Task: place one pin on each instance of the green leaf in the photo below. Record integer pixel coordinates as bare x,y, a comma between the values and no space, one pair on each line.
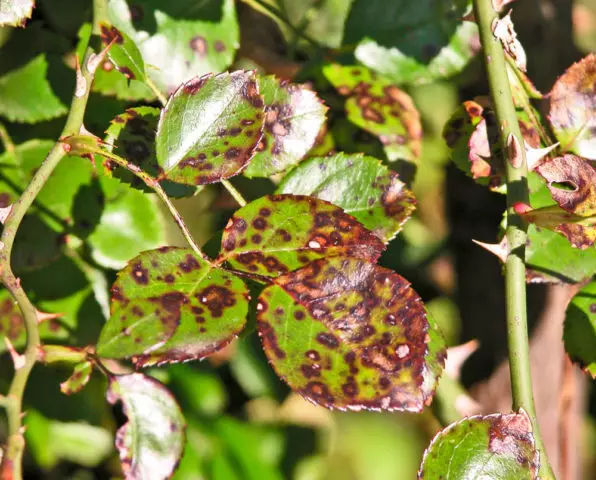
133,135
572,103
210,128
169,305
360,185
293,117
27,96
579,329
123,53
348,334
15,12
152,441
494,446
413,42
379,107
79,378
175,40
276,234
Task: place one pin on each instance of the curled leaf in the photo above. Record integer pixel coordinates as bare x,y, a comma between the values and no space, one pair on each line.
210,128
280,233
579,332
350,335
79,378
151,442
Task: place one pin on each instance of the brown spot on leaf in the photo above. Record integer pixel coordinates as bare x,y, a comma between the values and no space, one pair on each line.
328,340
216,299
199,45
109,33
139,274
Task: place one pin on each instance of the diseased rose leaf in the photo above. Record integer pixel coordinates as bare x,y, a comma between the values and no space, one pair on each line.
572,106
360,185
577,174
124,54
182,39
412,42
12,325
376,105
351,335
151,442
132,134
15,12
27,96
293,118
522,88
168,305
493,446
210,128
276,234
324,143
579,329
79,378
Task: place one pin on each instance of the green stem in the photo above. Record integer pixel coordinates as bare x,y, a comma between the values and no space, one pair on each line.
235,193
5,139
158,93
517,191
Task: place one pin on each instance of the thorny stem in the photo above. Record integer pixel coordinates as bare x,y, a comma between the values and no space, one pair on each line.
235,193
12,460
517,191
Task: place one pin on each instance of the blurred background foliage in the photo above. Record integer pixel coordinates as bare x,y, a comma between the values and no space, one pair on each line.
243,422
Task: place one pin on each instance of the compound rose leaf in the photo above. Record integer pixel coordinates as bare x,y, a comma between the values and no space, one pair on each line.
151,442
350,335
360,185
579,329
572,106
280,233
293,118
124,53
210,128
493,446
169,305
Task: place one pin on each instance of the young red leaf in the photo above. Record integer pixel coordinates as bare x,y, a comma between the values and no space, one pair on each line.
280,233
350,335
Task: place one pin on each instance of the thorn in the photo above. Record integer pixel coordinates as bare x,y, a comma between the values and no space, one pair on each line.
514,151
4,213
456,356
501,249
469,17
95,60
81,83
534,155
45,316
522,208
17,359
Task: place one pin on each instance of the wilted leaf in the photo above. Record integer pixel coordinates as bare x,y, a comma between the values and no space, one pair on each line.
178,38
123,53
360,185
579,334
379,107
280,233
572,183
413,42
27,96
169,305
494,446
293,118
348,334
210,128
572,106
152,441
79,378
15,12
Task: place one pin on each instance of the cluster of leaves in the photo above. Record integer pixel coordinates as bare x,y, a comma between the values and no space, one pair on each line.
299,265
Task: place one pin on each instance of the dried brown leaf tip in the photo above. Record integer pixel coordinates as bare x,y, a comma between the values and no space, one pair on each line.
503,30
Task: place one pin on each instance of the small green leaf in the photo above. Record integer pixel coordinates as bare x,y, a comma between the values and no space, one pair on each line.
79,378
499,446
293,118
348,334
210,128
123,53
379,107
15,12
414,42
572,104
276,234
579,329
27,96
152,441
169,305
360,185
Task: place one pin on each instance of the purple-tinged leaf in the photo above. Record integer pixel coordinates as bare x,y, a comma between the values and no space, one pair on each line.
152,441
169,305
79,378
280,233
350,335
210,128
